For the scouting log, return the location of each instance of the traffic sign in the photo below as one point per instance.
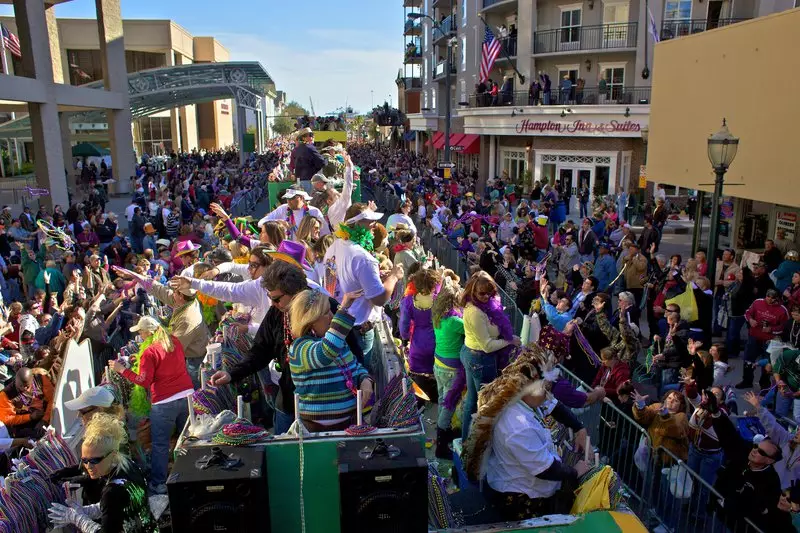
(442, 164)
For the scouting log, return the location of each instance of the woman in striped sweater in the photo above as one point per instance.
(325, 372)
(448, 327)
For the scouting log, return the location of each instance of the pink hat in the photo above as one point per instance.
(186, 247)
(291, 252)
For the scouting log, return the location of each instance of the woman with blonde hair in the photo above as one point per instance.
(308, 233)
(318, 255)
(325, 372)
(123, 504)
(162, 369)
(488, 334)
(272, 231)
(448, 328)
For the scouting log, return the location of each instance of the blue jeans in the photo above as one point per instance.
(281, 422)
(366, 341)
(705, 465)
(480, 368)
(584, 209)
(193, 367)
(733, 337)
(753, 349)
(444, 382)
(164, 418)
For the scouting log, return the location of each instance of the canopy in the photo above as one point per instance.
(89, 150)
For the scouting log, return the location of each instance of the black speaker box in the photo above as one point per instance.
(383, 486)
(219, 489)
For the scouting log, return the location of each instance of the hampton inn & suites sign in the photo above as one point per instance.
(563, 127)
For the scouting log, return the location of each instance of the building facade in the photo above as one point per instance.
(595, 56)
(149, 44)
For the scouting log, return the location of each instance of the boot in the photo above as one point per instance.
(748, 370)
(443, 439)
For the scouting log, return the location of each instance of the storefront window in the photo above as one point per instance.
(601, 178)
(153, 135)
(514, 163)
(548, 173)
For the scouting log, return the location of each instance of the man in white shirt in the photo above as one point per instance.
(294, 210)
(129, 211)
(350, 267)
(524, 472)
(402, 217)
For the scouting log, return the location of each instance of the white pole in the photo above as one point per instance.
(359, 413)
(240, 406)
(297, 407)
(405, 387)
(596, 458)
(587, 451)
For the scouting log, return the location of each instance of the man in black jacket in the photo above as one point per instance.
(748, 483)
(306, 160)
(282, 282)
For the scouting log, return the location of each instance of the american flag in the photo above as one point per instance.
(491, 49)
(11, 41)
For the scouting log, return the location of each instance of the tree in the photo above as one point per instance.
(286, 122)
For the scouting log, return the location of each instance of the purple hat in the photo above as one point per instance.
(293, 253)
(186, 247)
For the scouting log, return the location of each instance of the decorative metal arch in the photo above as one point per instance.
(156, 90)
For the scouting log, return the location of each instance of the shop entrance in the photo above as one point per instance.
(575, 178)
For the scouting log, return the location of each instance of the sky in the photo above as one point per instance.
(336, 53)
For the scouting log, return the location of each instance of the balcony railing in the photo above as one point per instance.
(509, 46)
(439, 71)
(445, 29)
(412, 27)
(490, 3)
(578, 38)
(611, 95)
(678, 28)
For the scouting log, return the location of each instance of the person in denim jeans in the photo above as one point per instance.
(487, 335)
(705, 451)
(162, 369)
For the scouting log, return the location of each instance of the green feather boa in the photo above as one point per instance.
(359, 235)
(139, 403)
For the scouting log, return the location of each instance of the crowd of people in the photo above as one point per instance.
(310, 283)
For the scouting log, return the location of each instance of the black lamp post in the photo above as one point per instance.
(448, 81)
(722, 148)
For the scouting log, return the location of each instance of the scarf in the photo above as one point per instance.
(357, 234)
(494, 310)
(140, 402)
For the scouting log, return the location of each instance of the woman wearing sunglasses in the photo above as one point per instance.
(123, 504)
(487, 336)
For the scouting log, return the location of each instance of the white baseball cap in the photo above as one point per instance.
(146, 323)
(95, 397)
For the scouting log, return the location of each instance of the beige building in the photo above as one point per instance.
(597, 57)
(746, 69)
(149, 44)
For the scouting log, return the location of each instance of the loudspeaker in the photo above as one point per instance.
(383, 486)
(220, 489)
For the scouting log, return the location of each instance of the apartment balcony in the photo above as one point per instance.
(412, 3)
(617, 36)
(412, 83)
(439, 71)
(499, 7)
(447, 28)
(442, 4)
(412, 27)
(509, 48)
(587, 96)
(679, 28)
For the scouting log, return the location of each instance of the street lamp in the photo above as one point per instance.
(722, 148)
(448, 81)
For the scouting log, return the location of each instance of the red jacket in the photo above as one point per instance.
(540, 237)
(611, 378)
(770, 318)
(164, 373)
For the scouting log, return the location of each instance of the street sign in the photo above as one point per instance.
(642, 177)
(442, 164)
(446, 173)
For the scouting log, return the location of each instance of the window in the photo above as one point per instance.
(85, 66)
(614, 76)
(137, 61)
(463, 50)
(615, 13)
(425, 69)
(570, 28)
(462, 84)
(464, 13)
(152, 135)
(425, 100)
(677, 18)
(433, 100)
(514, 162)
(615, 29)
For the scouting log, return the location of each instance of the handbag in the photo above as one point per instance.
(641, 458)
(680, 482)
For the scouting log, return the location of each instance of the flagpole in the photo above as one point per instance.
(505, 54)
(5, 71)
(646, 69)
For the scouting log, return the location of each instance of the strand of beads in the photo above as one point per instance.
(240, 433)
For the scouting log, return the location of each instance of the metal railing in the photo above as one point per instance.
(509, 45)
(575, 96)
(412, 26)
(656, 498)
(490, 3)
(577, 38)
(446, 28)
(671, 29)
(439, 70)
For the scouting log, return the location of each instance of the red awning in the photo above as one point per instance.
(465, 143)
(435, 139)
(438, 140)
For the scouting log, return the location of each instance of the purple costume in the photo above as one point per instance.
(416, 325)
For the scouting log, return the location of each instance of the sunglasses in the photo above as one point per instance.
(486, 294)
(762, 453)
(94, 461)
(276, 297)
(254, 266)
